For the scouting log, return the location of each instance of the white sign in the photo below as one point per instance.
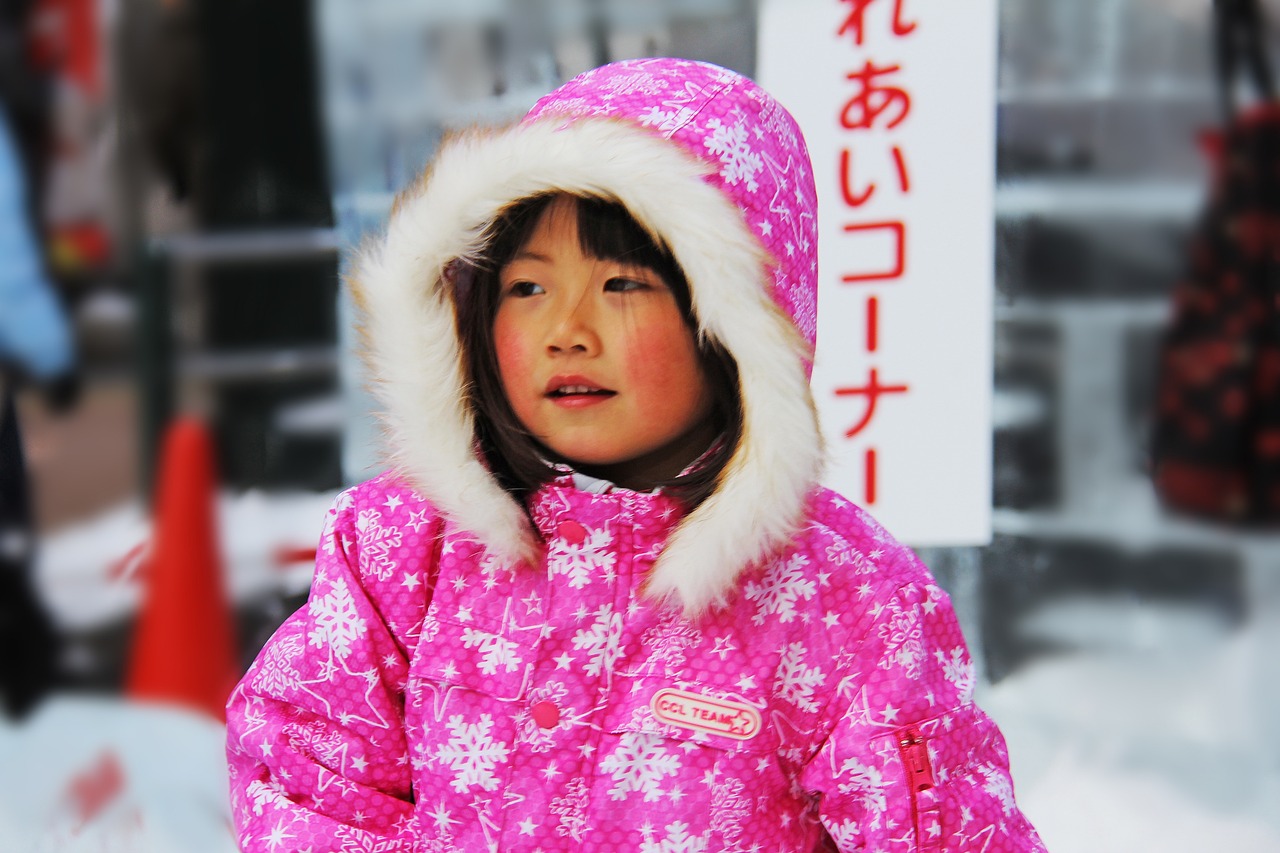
(896, 99)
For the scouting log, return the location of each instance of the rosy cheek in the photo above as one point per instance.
(512, 351)
(645, 354)
(663, 360)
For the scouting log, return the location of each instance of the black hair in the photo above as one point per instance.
(606, 230)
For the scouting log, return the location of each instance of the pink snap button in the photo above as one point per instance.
(572, 532)
(545, 714)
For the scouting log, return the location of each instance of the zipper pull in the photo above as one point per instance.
(915, 759)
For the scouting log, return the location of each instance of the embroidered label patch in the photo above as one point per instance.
(705, 714)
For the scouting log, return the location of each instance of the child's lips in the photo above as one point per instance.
(576, 391)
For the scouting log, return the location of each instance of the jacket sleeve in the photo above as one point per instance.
(315, 731)
(911, 764)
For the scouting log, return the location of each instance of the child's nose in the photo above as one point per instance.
(575, 332)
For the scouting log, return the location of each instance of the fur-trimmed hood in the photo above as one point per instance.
(700, 156)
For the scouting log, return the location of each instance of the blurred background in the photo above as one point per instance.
(193, 175)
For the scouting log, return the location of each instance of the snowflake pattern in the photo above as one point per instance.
(338, 625)
(669, 642)
(356, 840)
(583, 553)
(998, 785)
(636, 83)
(730, 807)
(377, 544)
(472, 753)
(329, 536)
(903, 634)
(777, 123)
(796, 682)
(583, 107)
(806, 310)
(314, 739)
(639, 764)
(866, 783)
(496, 651)
(262, 793)
(668, 120)
(571, 809)
(783, 586)
(279, 673)
(740, 161)
(959, 670)
(678, 840)
(846, 834)
(491, 567)
(862, 565)
(601, 641)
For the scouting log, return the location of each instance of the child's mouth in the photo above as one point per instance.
(576, 392)
(579, 391)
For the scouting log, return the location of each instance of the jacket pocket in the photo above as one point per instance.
(921, 783)
(473, 657)
(462, 702)
(954, 777)
(707, 752)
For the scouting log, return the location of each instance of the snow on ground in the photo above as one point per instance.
(104, 774)
(1147, 736)
(1149, 732)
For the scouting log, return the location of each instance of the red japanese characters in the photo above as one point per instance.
(873, 163)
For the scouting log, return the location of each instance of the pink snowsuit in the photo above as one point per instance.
(624, 674)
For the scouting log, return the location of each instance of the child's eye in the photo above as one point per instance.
(524, 288)
(621, 284)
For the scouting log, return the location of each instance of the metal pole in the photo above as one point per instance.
(154, 352)
(155, 355)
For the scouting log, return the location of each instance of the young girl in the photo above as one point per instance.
(599, 602)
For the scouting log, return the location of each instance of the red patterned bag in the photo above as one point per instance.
(1216, 442)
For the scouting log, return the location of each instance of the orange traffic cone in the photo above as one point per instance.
(183, 648)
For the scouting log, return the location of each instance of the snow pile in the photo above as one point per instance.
(110, 775)
(1144, 738)
(88, 575)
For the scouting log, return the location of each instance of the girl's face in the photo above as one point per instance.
(597, 361)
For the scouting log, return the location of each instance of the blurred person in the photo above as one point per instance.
(35, 347)
(1240, 34)
(27, 93)
(600, 601)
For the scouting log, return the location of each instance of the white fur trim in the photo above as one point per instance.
(409, 322)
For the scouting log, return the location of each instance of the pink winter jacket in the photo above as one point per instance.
(430, 698)
(599, 669)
